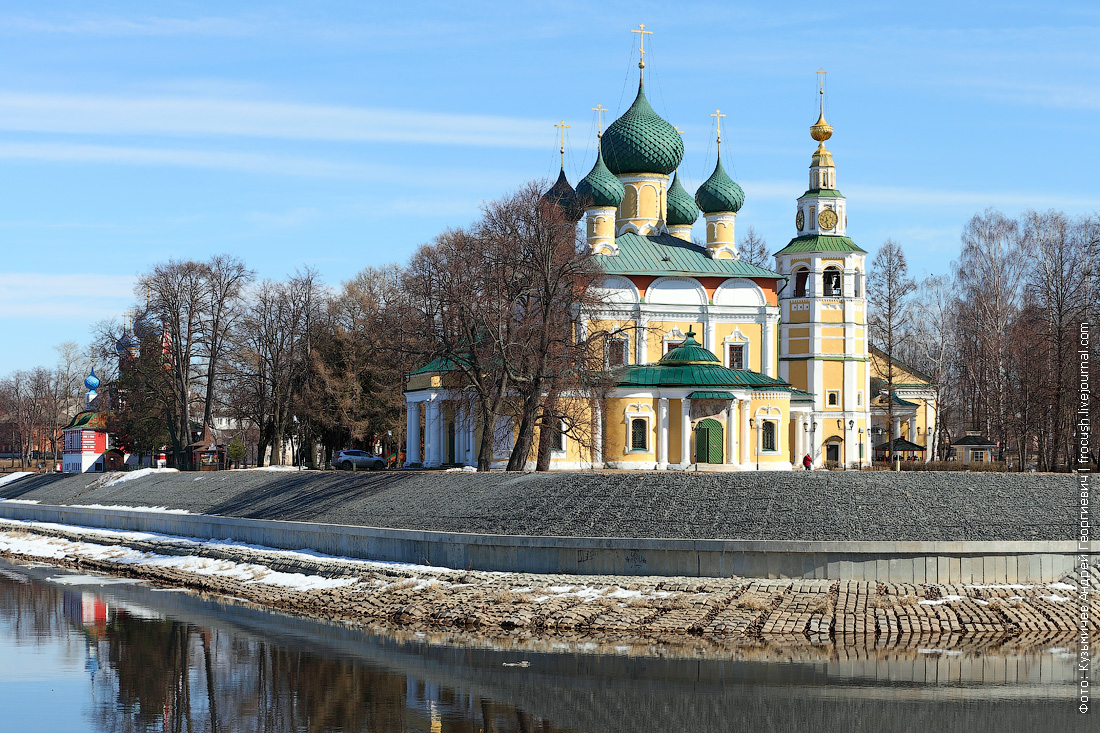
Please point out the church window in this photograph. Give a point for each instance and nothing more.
(616, 352)
(833, 398)
(800, 279)
(557, 440)
(831, 281)
(859, 399)
(736, 356)
(670, 345)
(813, 217)
(639, 434)
(767, 436)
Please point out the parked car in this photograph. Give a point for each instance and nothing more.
(347, 459)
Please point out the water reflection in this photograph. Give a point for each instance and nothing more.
(152, 660)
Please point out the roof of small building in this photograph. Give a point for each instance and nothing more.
(979, 441)
(664, 254)
(88, 420)
(899, 444)
(820, 243)
(691, 365)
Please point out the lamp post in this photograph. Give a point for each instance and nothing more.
(861, 449)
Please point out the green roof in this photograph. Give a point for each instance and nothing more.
(710, 396)
(798, 395)
(89, 420)
(977, 440)
(439, 364)
(641, 142)
(664, 254)
(719, 192)
(823, 193)
(695, 375)
(820, 243)
(681, 206)
(600, 187)
(689, 352)
(876, 351)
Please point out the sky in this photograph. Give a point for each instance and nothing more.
(339, 135)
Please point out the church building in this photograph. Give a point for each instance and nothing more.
(718, 364)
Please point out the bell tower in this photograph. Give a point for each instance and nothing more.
(823, 333)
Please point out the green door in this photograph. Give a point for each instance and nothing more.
(708, 441)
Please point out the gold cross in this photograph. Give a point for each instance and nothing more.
(677, 129)
(718, 115)
(562, 127)
(821, 81)
(642, 32)
(599, 110)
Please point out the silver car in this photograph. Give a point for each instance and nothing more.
(359, 459)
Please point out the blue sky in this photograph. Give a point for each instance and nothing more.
(341, 135)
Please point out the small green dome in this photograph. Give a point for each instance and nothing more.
(681, 207)
(600, 187)
(641, 142)
(562, 194)
(689, 352)
(720, 192)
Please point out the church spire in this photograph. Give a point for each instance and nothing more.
(822, 170)
(642, 33)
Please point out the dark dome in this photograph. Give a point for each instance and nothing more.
(562, 194)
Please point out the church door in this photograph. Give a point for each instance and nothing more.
(832, 452)
(708, 441)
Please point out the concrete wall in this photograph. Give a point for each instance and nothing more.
(891, 562)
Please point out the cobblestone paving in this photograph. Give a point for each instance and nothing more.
(819, 505)
(792, 612)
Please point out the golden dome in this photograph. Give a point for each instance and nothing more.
(821, 130)
(821, 156)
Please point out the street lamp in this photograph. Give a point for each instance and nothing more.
(861, 449)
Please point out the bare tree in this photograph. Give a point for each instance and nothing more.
(889, 288)
(225, 278)
(754, 250)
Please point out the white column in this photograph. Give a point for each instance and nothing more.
(460, 434)
(441, 423)
(599, 436)
(711, 336)
(746, 433)
(768, 332)
(796, 447)
(640, 340)
(429, 432)
(851, 451)
(685, 433)
(731, 432)
(897, 427)
(412, 433)
(662, 433)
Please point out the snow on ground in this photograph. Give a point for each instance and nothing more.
(123, 507)
(20, 501)
(8, 478)
(945, 599)
(462, 469)
(271, 468)
(1061, 586)
(140, 473)
(1055, 598)
(56, 547)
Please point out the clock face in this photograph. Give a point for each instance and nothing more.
(827, 219)
(799, 219)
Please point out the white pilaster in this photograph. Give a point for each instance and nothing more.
(731, 433)
(441, 423)
(768, 333)
(412, 433)
(685, 433)
(897, 427)
(640, 356)
(711, 330)
(662, 433)
(746, 433)
(431, 409)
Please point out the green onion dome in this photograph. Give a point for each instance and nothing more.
(641, 142)
(689, 352)
(720, 192)
(562, 194)
(681, 207)
(600, 187)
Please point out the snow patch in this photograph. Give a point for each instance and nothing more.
(463, 469)
(1055, 598)
(271, 468)
(945, 599)
(944, 652)
(8, 478)
(20, 501)
(1061, 586)
(140, 473)
(123, 507)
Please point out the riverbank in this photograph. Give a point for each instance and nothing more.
(709, 613)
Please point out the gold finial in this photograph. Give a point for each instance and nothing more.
(677, 129)
(599, 109)
(821, 130)
(642, 32)
(717, 114)
(562, 126)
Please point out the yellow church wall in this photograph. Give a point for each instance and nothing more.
(775, 408)
(832, 379)
(751, 331)
(799, 316)
(798, 346)
(832, 316)
(796, 375)
(617, 428)
(674, 424)
(655, 334)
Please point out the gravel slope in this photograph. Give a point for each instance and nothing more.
(796, 505)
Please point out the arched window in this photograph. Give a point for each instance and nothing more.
(857, 284)
(832, 282)
(813, 217)
(800, 278)
(767, 436)
(639, 434)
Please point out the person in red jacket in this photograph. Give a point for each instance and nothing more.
(807, 462)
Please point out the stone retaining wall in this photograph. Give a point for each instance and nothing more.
(893, 562)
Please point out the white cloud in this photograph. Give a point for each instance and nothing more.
(102, 115)
(42, 295)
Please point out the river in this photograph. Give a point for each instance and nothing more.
(93, 653)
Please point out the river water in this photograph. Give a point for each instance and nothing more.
(92, 653)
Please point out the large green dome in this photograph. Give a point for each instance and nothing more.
(600, 187)
(641, 142)
(681, 208)
(720, 192)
